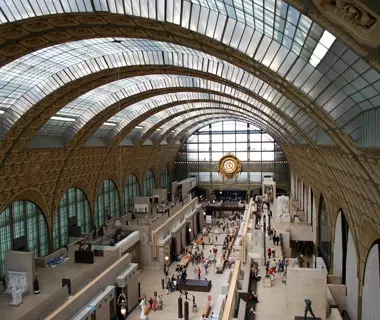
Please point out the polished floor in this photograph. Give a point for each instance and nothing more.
(271, 306)
(150, 281)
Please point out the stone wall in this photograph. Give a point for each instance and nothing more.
(43, 176)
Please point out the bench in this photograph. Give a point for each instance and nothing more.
(207, 309)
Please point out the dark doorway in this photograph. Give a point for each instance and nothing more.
(187, 234)
(198, 222)
(230, 195)
(344, 245)
(173, 251)
(112, 309)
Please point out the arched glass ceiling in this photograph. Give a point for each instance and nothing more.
(81, 58)
(181, 125)
(239, 24)
(204, 116)
(92, 103)
(198, 109)
(178, 113)
(271, 32)
(112, 127)
(181, 131)
(187, 130)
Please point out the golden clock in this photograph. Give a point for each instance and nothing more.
(229, 166)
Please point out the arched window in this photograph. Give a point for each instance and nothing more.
(148, 184)
(74, 203)
(23, 227)
(131, 189)
(259, 153)
(325, 233)
(107, 203)
(165, 178)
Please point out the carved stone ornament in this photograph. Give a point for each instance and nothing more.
(352, 15)
(17, 281)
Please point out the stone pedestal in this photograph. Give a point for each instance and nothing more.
(267, 282)
(269, 189)
(283, 203)
(303, 283)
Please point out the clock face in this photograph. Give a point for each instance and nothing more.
(229, 166)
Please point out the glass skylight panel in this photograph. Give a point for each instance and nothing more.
(67, 60)
(62, 118)
(322, 47)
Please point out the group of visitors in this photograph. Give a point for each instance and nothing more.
(255, 271)
(271, 267)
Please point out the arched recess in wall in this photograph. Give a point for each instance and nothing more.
(73, 211)
(311, 208)
(165, 178)
(292, 184)
(340, 246)
(304, 198)
(371, 285)
(23, 227)
(346, 263)
(149, 183)
(107, 203)
(324, 235)
(131, 189)
(299, 192)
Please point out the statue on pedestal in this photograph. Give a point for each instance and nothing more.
(308, 309)
(143, 316)
(16, 297)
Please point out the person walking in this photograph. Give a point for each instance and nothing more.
(269, 252)
(273, 252)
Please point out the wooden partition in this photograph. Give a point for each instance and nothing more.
(231, 298)
(192, 203)
(68, 309)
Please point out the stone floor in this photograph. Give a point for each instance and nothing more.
(271, 306)
(150, 281)
(272, 302)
